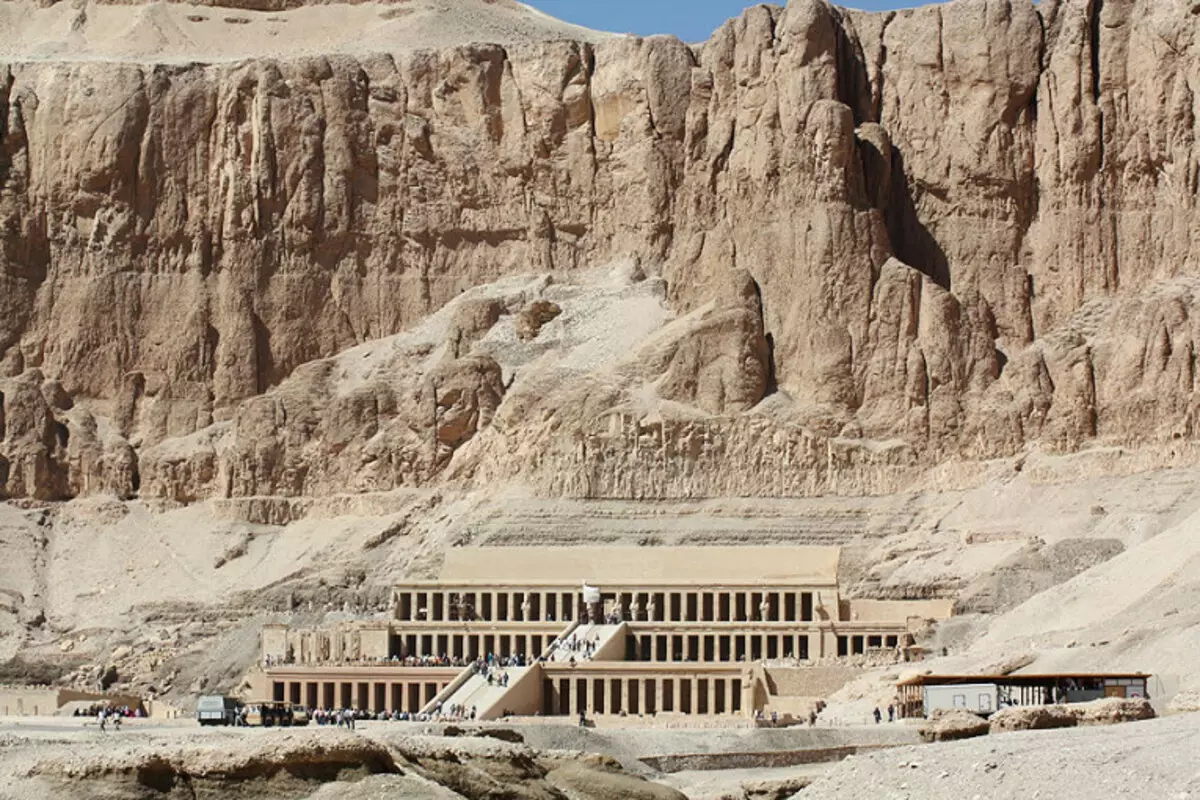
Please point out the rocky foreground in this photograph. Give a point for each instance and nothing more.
(316, 764)
(1152, 759)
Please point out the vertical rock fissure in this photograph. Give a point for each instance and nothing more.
(877, 99)
(1094, 46)
(5, 90)
(1095, 10)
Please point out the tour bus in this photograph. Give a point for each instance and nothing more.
(213, 709)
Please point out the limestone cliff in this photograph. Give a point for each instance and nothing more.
(881, 241)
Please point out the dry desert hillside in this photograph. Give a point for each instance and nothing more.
(296, 295)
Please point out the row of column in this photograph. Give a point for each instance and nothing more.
(858, 645)
(710, 606)
(648, 606)
(493, 606)
(632, 696)
(713, 647)
(470, 646)
(373, 696)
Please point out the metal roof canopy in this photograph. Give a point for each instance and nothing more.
(1018, 680)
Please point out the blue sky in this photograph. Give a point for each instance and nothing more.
(690, 20)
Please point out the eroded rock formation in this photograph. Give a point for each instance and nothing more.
(888, 240)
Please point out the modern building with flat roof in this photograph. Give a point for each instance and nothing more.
(921, 695)
(654, 630)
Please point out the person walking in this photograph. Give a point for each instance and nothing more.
(891, 712)
(878, 715)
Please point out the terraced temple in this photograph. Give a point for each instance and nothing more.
(595, 630)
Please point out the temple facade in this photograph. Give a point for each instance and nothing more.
(597, 630)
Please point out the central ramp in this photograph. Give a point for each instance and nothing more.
(591, 642)
(476, 693)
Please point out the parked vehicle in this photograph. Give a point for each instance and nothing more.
(274, 713)
(214, 709)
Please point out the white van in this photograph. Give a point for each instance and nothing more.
(213, 709)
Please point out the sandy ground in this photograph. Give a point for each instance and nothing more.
(733, 783)
(38, 735)
(1158, 759)
(178, 32)
(1154, 759)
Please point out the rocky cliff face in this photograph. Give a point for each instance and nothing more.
(878, 242)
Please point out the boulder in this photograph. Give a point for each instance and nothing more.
(1033, 718)
(1113, 710)
(531, 318)
(946, 725)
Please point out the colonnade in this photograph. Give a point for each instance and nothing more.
(855, 645)
(716, 647)
(465, 605)
(470, 646)
(374, 696)
(714, 605)
(641, 695)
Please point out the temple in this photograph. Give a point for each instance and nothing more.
(595, 630)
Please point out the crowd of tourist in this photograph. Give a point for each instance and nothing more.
(95, 710)
(347, 717)
(583, 648)
(108, 715)
(444, 660)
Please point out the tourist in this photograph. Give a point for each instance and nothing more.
(102, 717)
(891, 713)
(878, 715)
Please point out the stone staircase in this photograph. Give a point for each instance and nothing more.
(609, 644)
(476, 693)
(471, 690)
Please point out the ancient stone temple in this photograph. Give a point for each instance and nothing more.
(597, 630)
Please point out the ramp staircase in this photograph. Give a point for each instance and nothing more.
(607, 644)
(476, 693)
(471, 690)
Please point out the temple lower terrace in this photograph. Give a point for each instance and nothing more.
(601, 631)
